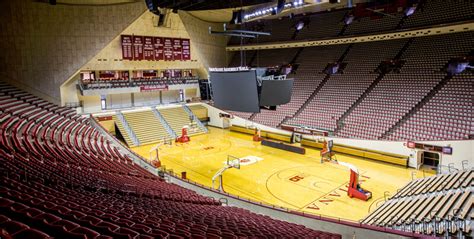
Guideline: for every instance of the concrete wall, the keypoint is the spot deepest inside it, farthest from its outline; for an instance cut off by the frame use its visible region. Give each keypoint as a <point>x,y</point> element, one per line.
<point>211,47</point>
<point>43,45</point>
<point>463,150</point>
<point>90,103</point>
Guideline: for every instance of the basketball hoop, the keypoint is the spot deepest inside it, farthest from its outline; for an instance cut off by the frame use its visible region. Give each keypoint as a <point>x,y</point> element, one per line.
<point>154,156</point>
<point>232,162</point>
<point>326,152</point>
<point>257,135</point>
<point>154,152</point>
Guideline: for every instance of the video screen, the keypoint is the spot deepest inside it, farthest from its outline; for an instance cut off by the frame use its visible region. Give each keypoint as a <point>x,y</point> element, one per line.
<point>235,91</point>
<point>276,92</point>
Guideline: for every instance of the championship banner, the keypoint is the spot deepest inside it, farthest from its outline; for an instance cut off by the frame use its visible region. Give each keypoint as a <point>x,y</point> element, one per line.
<point>155,48</point>
<point>148,49</point>
<point>168,49</point>
<point>158,45</point>
<point>137,48</point>
<point>127,50</point>
<point>177,49</point>
<point>148,88</point>
<point>186,46</point>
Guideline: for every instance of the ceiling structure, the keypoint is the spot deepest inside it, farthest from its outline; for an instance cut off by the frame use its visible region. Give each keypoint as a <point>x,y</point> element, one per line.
<point>310,6</point>
<point>91,2</point>
<point>196,5</point>
<point>220,11</point>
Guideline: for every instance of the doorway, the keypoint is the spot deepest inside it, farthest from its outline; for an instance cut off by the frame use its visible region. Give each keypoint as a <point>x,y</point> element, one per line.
<point>430,159</point>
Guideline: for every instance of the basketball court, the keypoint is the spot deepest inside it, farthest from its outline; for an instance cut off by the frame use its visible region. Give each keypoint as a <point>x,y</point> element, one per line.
<point>281,178</point>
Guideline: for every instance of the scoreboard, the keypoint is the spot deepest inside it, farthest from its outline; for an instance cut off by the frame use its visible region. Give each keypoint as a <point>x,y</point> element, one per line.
<point>138,48</point>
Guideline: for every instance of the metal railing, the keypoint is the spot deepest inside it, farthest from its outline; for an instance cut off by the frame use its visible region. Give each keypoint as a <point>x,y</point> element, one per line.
<point>195,118</point>
<point>122,83</point>
<point>127,128</point>
<point>165,124</point>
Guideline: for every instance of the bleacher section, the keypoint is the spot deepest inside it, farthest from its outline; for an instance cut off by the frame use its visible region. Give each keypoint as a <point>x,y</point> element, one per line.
<point>176,118</point>
<point>342,90</point>
<point>146,127</point>
<point>364,103</point>
<point>440,12</point>
<point>324,25</point>
<point>397,93</point>
<point>281,30</point>
<point>448,115</point>
<point>200,112</point>
<point>272,58</point>
<point>440,205</point>
<point>367,25</point>
<point>61,178</point>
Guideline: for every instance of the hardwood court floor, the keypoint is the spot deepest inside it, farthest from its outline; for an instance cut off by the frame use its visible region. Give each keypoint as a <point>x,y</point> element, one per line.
<point>281,178</point>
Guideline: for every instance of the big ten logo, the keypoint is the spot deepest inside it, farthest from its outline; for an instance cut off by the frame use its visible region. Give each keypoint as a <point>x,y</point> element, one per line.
<point>297,178</point>
<point>245,160</point>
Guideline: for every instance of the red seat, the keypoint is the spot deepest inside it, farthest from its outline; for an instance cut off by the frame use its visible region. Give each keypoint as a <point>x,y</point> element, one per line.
<point>13,227</point>
<point>30,234</point>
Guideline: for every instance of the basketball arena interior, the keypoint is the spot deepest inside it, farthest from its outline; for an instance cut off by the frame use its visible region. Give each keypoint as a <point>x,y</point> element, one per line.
<point>199,119</point>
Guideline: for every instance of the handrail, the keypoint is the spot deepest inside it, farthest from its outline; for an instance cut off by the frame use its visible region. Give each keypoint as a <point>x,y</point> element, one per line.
<point>164,123</point>
<point>137,82</point>
<point>127,127</point>
<point>195,118</point>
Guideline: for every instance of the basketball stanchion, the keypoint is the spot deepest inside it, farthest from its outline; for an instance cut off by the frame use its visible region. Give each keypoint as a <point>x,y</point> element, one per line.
<point>232,162</point>
<point>257,135</point>
<point>154,158</point>
<point>184,135</point>
<point>354,189</point>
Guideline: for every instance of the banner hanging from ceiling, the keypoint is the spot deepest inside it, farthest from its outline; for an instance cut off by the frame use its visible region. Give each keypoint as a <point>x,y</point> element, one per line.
<point>138,48</point>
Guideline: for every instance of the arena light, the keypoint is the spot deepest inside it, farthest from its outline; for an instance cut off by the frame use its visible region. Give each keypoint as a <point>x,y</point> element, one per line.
<point>273,10</point>
<point>298,3</point>
<point>348,19</point>
<point>409,11</point>
<point>299,25</point>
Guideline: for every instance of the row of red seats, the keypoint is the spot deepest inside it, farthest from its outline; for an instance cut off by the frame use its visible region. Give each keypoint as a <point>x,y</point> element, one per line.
<point>61,178</point>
